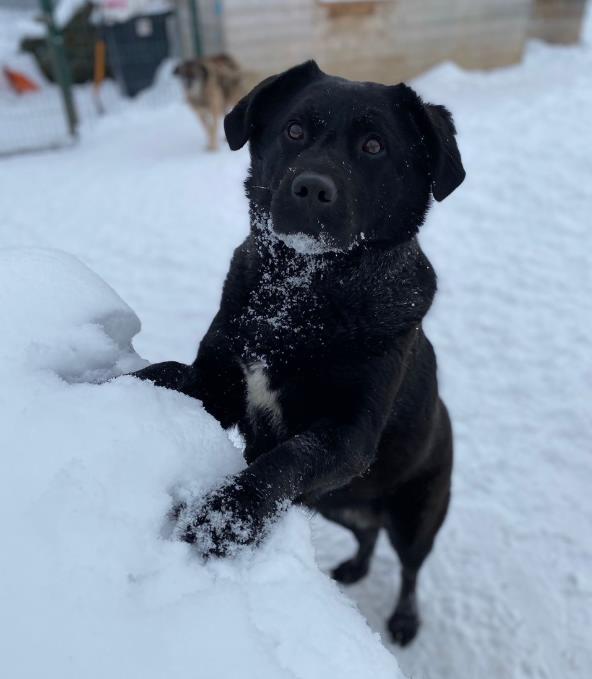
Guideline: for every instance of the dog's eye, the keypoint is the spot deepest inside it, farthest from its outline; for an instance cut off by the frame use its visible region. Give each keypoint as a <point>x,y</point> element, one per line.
<point>373,145</point>
<point>295,131</point>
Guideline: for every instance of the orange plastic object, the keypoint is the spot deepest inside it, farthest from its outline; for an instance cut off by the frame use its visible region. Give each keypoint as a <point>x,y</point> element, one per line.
<point>100,63</point>
<point>19,82</point>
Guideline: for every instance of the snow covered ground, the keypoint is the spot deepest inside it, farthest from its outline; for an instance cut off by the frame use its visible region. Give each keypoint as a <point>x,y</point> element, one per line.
<point>508,590</point>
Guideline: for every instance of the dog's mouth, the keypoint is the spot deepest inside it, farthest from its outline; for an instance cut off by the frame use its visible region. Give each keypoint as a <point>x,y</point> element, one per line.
<point>309,234</point>
<point>304,244</point>
<point>301,242</point>
<point>320,240</point>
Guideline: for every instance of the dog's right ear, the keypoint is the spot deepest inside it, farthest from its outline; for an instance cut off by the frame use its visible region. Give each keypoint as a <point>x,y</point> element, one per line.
<point>240,123</point>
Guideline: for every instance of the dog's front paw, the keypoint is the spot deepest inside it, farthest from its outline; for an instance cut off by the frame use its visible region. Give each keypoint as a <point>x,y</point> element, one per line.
<point>233,516</point>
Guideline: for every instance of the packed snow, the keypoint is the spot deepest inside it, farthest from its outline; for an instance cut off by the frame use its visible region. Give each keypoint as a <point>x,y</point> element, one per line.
<point>91,580</point>
<point>92,587</point>
<point>110,10</point>
<point>64,10</point>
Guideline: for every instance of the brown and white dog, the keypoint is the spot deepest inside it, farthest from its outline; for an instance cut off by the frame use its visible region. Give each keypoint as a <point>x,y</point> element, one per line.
<point>212,86</point>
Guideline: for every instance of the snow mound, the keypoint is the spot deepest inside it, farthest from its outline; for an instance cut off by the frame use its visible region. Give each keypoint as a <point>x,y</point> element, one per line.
<point>71,322</point>
<point>91,586</point>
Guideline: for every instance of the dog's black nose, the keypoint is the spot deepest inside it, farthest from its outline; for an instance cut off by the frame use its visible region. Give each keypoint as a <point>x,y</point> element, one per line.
<point>316,189</point>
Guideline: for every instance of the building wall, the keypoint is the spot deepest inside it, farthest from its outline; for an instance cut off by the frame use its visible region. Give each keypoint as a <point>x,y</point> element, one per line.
<point>406,37</point>
<point>211,30</point>
<point>384,40</point>
<point>269,35</point>
<point>557,21</point>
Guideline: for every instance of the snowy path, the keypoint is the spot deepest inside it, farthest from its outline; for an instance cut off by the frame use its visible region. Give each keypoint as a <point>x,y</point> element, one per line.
<point>508,590</point>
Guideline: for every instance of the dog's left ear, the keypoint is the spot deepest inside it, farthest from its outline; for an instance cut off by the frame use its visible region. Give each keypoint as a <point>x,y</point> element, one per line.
<point>438,133</point>
<point>241,122</point>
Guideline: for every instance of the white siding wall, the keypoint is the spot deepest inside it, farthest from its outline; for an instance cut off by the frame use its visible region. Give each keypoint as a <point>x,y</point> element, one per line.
<point>268,35</point>
<point>396,39</point>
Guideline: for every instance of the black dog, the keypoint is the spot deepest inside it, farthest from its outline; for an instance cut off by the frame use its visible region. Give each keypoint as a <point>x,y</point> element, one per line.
<point>317,351</point>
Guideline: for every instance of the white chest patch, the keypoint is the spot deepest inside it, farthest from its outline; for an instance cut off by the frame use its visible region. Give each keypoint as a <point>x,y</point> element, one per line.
<point>194,91</point>
<point>259,395</point>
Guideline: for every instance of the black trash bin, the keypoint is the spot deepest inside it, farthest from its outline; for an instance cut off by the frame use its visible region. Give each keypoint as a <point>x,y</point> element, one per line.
<point>136,48</point>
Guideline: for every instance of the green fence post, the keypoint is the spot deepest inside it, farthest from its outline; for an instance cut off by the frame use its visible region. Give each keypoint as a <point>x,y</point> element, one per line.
<point>194,11</point>
<point>60,64</point>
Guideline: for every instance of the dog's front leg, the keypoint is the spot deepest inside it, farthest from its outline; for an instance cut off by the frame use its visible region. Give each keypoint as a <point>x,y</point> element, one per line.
<point>170,374</point>
<point>215,377</point>
<point>328,455</point>
<point>334,450</point>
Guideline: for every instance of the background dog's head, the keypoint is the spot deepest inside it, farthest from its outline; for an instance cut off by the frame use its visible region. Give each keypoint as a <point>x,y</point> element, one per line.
<point>338,160</point>
<point>190,71</point>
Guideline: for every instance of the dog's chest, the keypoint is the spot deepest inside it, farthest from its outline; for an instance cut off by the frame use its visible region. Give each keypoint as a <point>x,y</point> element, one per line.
<point>262,400</point>
<point>283,320</point>
<point>194,91</point>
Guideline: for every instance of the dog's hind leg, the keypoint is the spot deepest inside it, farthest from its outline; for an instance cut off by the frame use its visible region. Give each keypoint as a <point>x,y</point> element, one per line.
<point>414,515</point>
<point>364,522</point>
<point>357,567</point>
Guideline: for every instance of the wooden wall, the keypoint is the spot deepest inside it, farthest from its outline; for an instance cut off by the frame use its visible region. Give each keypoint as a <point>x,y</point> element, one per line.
<point>557,21</point>
<point>390,40</point>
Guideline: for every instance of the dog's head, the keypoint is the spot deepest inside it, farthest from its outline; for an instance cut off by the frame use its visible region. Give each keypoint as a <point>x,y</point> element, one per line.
<point>190,71</point>
<point>338,161</point>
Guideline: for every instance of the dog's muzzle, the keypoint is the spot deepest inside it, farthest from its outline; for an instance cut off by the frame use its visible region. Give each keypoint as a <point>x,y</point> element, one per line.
<point>312,204</point>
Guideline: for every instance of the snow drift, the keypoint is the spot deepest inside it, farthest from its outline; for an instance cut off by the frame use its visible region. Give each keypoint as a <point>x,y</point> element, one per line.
<point>91,586</point>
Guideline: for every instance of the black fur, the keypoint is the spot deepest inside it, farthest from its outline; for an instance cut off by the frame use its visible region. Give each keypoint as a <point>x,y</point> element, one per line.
<point>357,429</point>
